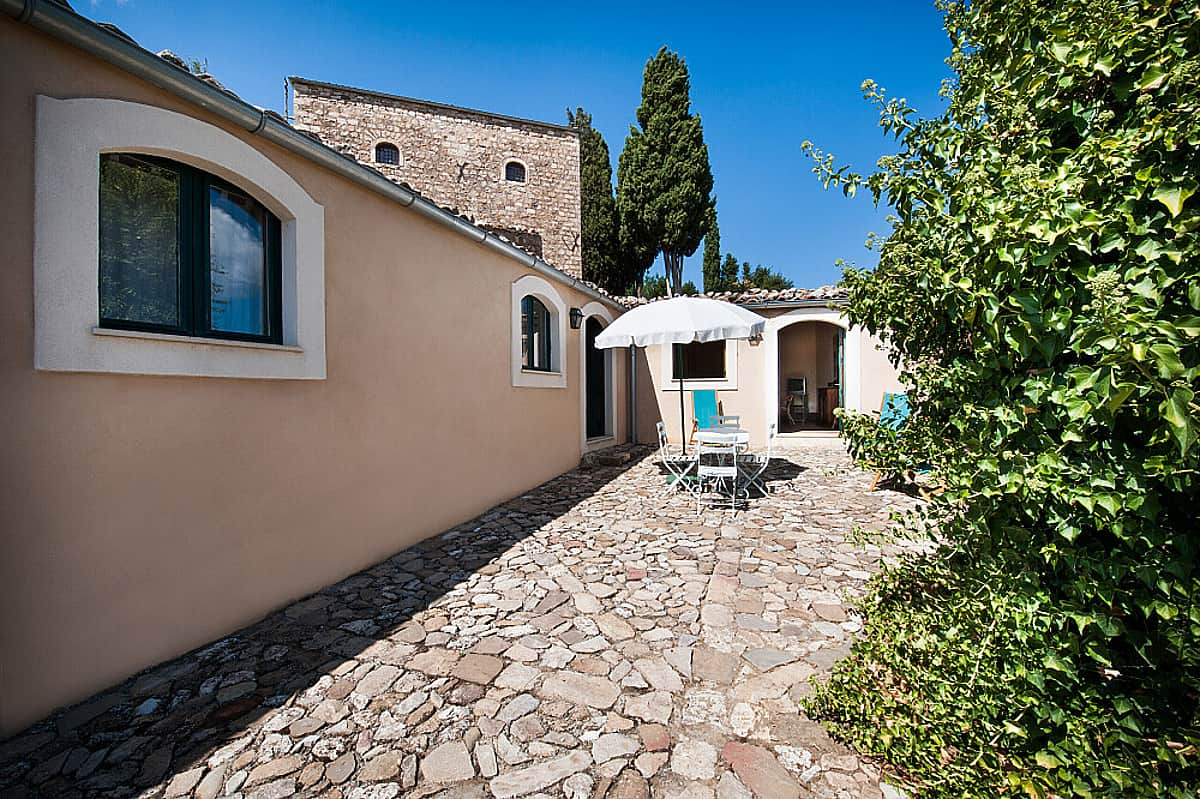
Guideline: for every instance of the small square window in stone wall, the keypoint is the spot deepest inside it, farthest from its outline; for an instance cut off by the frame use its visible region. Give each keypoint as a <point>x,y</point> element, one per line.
<point>386,153</point>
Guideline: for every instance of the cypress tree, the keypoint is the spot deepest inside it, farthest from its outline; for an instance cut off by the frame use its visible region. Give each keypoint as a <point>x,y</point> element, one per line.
<point>598,210</point>
<point>729,272</point>
<point>713,279</point>
<point>663,176</point>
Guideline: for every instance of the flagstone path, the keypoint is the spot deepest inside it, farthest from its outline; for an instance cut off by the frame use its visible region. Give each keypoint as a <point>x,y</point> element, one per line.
<point>589,639</point>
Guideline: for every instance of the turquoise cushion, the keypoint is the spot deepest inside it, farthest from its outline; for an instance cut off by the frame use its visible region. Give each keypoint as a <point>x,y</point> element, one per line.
<point>704,407</point>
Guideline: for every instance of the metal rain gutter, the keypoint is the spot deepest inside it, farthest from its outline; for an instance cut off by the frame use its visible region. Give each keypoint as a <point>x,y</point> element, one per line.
<point>67,26</point>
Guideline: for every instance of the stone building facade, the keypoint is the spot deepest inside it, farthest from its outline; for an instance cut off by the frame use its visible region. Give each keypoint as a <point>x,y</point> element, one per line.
<point>516,177</point>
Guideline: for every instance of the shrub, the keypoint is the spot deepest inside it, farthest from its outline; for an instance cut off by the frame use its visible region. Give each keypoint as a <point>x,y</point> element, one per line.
<point>1041,288</point>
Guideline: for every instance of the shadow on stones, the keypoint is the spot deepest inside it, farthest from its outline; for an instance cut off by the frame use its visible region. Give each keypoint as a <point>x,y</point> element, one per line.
<point>779,470</point>
<point>171,718</point>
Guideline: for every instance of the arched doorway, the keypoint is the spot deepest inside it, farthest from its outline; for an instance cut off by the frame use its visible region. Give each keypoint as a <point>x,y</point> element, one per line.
<point>811,375</point>
<point>850,378</point>
<point>596,382</point>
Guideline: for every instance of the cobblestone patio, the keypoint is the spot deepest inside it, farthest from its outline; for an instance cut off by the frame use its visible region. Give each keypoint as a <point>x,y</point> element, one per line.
<point>592,638</point>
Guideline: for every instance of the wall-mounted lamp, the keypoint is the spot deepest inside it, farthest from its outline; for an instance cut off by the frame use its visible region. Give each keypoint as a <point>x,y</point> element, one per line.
<point>576,318</point>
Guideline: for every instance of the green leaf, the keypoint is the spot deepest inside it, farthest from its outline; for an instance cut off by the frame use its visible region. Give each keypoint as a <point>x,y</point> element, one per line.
<point>1167,358</point>
<point>1047,760</point>
<point>1175,411</point>
<point>1152,78</point>
<point>1175,195</point>
<point>1061,51</point>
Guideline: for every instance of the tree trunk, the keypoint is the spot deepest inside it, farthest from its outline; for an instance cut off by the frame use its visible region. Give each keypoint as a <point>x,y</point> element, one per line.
<point>673,267</point>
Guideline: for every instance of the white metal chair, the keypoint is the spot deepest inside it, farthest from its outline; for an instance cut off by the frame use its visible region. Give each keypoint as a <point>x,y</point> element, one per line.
<point>717,469</point>
<point>678,465</point>
<point>753,465</point>
<point>795,402</point>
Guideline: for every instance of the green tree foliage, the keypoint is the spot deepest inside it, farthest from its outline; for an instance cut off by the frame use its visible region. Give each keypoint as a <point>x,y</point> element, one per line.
<point>1042,287</point>
<point>714,278</point>
<point>763,277</point>
<point>729,272</point>
<point>663,175</point>
<point>689,288</point>
<point>654,286</point>
<point>598,209</point>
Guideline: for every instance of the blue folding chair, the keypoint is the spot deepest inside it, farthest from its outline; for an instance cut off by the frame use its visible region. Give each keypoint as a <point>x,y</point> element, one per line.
<point>893,413</point>
<point>706,411</point>
<point>894,410</point>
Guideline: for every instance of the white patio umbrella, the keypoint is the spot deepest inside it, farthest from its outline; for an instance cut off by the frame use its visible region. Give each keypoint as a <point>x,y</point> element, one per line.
<point>681,320</point>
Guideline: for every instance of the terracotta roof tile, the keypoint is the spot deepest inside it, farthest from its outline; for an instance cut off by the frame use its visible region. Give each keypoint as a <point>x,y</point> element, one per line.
<point>758,296</point>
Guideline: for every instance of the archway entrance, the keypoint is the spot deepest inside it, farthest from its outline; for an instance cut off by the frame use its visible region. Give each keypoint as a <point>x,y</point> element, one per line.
<point>598,379</point>
<point>811,370</point>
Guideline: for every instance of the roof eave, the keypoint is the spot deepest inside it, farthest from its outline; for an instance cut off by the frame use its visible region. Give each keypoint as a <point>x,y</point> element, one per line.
<point>67,26</point>
<point>769,304</point>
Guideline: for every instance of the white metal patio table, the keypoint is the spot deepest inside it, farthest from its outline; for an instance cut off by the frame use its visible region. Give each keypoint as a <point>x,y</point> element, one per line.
<point>724,435</point>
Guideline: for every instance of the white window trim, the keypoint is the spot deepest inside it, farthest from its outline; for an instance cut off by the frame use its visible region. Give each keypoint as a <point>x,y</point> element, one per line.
<point>728,383</point>
<point>69,138</point>
<point>504,171</point>
<point>610,422</point>
<point>542,289</point>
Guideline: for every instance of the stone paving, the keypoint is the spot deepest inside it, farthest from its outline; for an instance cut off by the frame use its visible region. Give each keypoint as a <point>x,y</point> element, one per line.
<point>592,638</point>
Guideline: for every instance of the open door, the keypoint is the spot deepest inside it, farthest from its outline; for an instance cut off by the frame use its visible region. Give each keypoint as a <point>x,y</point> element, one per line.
<point>597,381</point>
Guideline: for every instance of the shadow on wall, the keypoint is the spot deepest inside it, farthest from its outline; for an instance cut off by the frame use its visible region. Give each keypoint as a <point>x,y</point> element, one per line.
<point>176,716</point>
<point>648,412</point>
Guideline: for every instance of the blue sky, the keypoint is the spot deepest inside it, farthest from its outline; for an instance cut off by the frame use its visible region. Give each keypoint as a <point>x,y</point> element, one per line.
<point>765,77</point>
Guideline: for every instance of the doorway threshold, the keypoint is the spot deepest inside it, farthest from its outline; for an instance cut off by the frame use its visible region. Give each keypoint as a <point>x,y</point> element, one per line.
<point>810,434</point>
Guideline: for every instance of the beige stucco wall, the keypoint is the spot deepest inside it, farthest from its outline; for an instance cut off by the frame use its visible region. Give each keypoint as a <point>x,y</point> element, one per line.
<point>744,401</point>
<point>142,516</point>
<point>879,375</point>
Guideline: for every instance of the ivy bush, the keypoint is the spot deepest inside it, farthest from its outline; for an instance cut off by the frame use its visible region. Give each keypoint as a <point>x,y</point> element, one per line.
<point>1041,290</point>
<point>873,445</point>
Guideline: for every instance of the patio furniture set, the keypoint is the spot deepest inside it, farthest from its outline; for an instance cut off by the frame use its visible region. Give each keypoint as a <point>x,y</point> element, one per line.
<point>720,464</point>
<point>720,467</point>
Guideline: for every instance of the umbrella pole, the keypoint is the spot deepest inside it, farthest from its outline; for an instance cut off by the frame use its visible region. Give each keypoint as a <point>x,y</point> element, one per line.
<point>682,434</point>
<point>679,371</point>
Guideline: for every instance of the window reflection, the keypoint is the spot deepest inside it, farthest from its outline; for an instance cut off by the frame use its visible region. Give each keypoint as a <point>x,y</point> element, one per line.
<point>237,263</point>
<point>139,233</point>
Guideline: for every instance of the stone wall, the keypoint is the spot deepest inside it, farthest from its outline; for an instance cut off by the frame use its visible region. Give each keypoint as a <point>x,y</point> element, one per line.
<point>457,158</point>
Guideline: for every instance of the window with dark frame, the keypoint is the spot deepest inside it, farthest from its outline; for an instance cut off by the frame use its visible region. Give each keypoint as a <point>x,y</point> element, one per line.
<point>535,335</point>
<point>387,153</point>
<point>514,171</point>
<point>185,252</point>
<point>699,360</point>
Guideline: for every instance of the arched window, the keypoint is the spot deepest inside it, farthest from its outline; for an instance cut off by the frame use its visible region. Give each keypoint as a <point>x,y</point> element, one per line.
<point>514,171</point>
<point>536,335</point>
<point>185,252</point>
<point>387,153</point>
<point>539,329</point>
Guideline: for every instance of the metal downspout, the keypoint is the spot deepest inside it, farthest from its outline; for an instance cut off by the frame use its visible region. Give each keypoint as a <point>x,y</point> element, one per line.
<point>632,384</point>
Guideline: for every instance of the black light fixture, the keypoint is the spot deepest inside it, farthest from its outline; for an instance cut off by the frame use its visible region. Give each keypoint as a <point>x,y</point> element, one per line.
<point>576,318</point>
